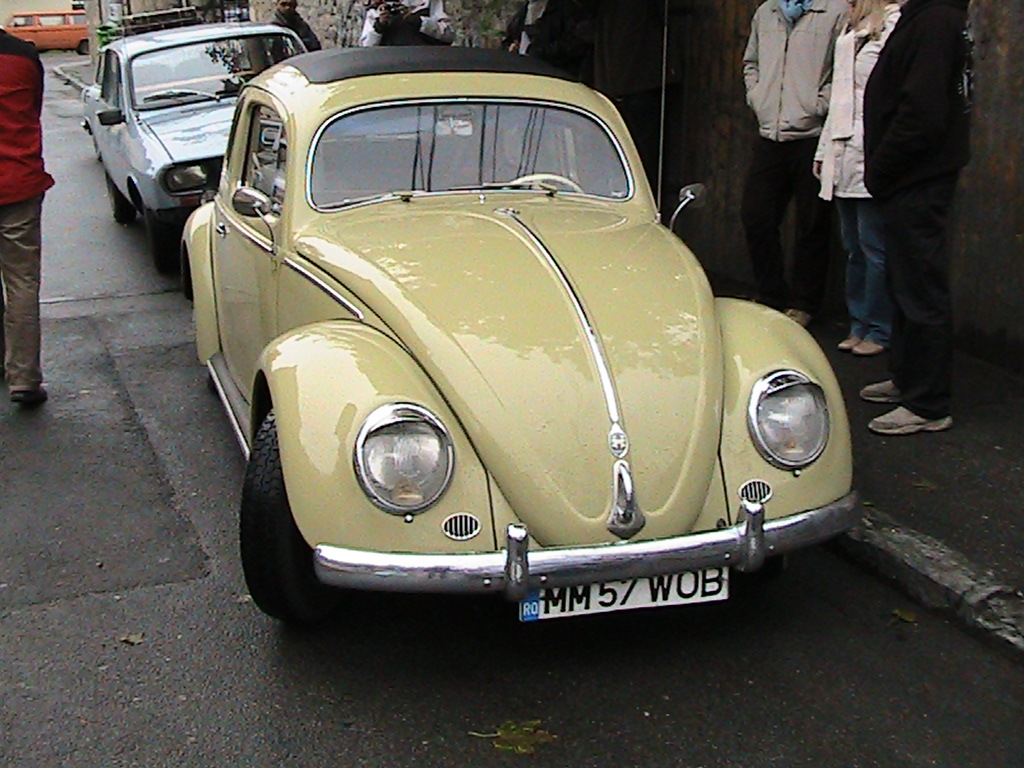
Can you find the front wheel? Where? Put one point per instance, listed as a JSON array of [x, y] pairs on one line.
[[276, 560], [186, 277], [122, 208], [163, 240]]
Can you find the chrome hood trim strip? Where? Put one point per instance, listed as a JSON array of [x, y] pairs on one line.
[[604, 372]]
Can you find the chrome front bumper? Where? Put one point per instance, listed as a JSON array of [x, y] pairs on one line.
[[515, 570]]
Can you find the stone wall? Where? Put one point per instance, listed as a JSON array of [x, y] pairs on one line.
[[338, 22]]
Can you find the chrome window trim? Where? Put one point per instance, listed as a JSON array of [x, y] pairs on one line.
[[394, 413], [630, 179], [260, 242], [768, 384], [323, 286]]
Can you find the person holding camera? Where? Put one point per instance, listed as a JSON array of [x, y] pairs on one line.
[[406, 22]]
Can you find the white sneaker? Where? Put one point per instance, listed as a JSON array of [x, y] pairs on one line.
[[881, 392], [901, 421]]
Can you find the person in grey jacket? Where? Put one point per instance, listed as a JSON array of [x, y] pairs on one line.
[[787, 70]]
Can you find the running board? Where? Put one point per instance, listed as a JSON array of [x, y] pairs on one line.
[[234, 404]]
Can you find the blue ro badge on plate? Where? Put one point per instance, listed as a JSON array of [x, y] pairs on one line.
[[649, 592]]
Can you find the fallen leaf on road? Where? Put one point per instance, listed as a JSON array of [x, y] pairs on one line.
[[521, 738], [907, 617], [134, 638], [925, 485]]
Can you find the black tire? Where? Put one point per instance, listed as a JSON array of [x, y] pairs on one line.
[[122, 208], [164, 243], [186, 278], [276, 560], [83, 47]]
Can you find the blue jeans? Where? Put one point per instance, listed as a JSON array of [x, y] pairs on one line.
[[867, 293]]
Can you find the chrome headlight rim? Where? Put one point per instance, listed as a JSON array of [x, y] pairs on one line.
[[771, 384], [389, 415]]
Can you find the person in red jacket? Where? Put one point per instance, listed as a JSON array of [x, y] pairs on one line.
[[23, 182]]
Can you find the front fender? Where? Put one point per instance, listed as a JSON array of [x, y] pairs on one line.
[[324, 380], [757, 341], [197, 238]]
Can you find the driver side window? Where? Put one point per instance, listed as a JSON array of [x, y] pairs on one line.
[[267, 155]]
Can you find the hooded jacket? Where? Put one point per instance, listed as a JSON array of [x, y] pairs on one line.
[[22, 173], [917, 101], [788, 70]]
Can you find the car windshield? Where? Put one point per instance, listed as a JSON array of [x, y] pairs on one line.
[[438, 147], [207, 70]]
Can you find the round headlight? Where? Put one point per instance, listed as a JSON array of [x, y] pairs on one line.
[[404, 458], [788, 419], [185, 177]]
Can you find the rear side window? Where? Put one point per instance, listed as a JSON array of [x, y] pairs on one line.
[[51, 21]]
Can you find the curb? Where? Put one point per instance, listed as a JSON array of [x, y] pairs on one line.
[[938, 577], [69, 78]]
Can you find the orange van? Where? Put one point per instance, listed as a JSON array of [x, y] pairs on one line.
[[51, 29]]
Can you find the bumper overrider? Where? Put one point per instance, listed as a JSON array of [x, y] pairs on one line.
[[516, 570]]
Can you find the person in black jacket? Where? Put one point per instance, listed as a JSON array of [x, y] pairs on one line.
[[287, 15], [916, 141]]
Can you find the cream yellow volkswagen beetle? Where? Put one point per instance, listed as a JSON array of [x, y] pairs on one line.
[[461, 354]]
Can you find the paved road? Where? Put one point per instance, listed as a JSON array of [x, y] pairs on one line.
[[127, 638]]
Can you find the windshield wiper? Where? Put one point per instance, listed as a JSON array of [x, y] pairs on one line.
[[177, 93], [541, 186]]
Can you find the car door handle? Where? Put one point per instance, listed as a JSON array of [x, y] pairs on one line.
[[221, 228]]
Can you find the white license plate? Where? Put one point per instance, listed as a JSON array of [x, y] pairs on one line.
[[647, 592]]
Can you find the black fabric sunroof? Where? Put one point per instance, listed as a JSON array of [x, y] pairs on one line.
[[341, 63]]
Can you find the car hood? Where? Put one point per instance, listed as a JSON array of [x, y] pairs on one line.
[[193, 132], [543, 327]]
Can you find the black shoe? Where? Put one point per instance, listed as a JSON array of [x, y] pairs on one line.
[[29, 397]]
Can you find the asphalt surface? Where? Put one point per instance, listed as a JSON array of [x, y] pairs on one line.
[[940, 509], [127, 638]]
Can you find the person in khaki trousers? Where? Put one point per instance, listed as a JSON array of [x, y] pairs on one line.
[[23, 182]]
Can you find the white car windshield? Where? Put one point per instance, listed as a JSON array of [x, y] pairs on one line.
[[437, 147], [208, 70]]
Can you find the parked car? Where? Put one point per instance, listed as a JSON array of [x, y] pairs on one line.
[[159, 113], [51, 30], [461, 354]]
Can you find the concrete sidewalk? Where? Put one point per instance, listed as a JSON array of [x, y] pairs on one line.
[[940, 508]]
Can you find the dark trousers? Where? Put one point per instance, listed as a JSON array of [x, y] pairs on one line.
[[782, 171], [917, 262]]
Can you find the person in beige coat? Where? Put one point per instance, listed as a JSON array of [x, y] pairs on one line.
[[787, 71], [839, 164]]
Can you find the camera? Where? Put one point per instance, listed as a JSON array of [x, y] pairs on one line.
[[394, 7]]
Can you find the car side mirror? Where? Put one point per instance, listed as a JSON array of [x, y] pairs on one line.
[[692, 194], [110, 116], [250, 202]]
